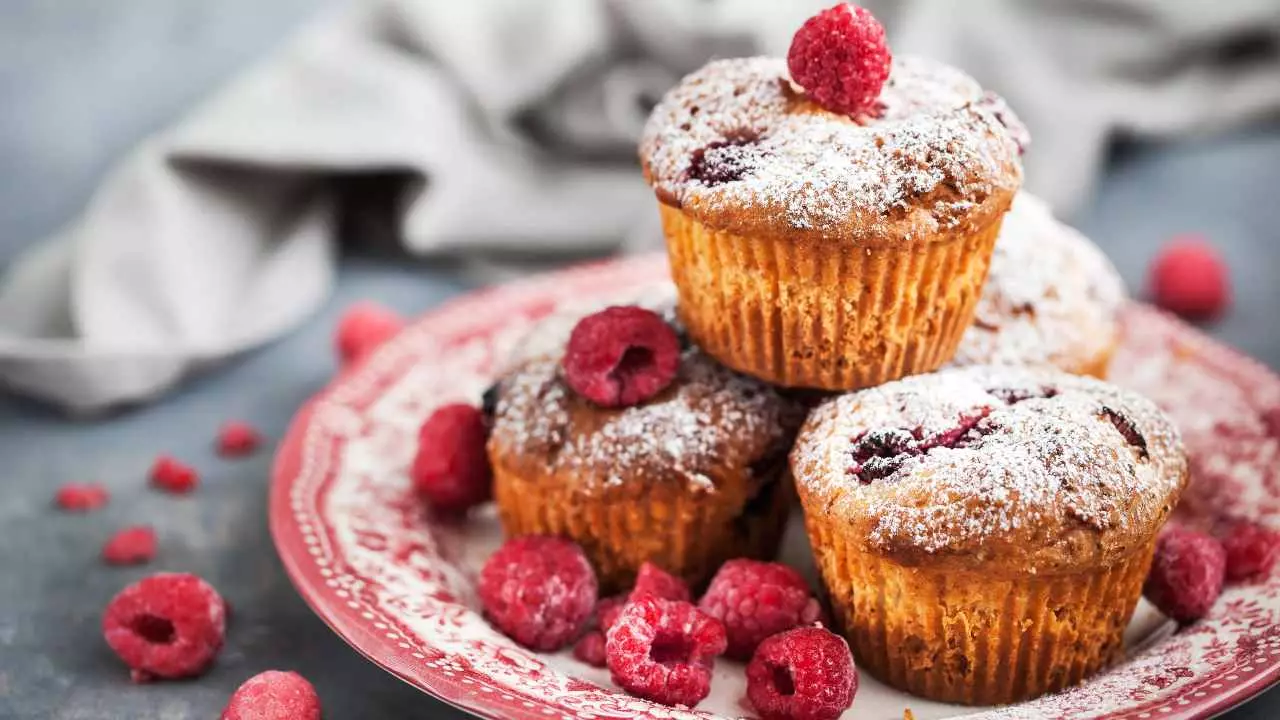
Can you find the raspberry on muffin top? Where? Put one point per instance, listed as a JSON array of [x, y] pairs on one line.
[[1032, 471], [743, 149]]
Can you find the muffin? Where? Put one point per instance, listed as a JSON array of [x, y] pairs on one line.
[[984, 532], [1051, 298], [820, 250], [687, 479]]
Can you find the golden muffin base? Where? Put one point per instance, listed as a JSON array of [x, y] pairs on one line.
[[684, 533], [976, 638], [803, 313]]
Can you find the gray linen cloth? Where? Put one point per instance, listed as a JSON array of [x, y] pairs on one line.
[[515, 122]]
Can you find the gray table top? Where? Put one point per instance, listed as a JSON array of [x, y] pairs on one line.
[[53, 663]]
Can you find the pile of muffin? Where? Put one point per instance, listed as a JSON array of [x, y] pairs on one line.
[[872, 318]]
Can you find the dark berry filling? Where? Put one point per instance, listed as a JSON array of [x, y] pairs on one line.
[[877, 454], [1013, 396], [1128, 430], [723, 161]]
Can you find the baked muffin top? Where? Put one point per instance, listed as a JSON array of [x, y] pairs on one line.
[[711, 431], [738, 146], [1003, 469], [1051, 297]]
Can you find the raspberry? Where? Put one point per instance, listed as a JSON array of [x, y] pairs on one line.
[[802, 674], [274, 695], [76, 497], [237, 439], [173, 476], [590, 649], [654, 581], [539, 591], [1186, 575], [131, 546], [451, 470], [664, 650], [1190, 278], [840, 58], [168, 625], [755, 600], [1251, 550], [607, 610], [621, 356], [363, 327]]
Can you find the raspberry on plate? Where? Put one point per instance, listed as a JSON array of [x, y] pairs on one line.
[[755, 600], [802, 674], [173, 476], [131, 546], [1189, 277], [77, 497], [664, 650], [607, 609], [621, 356], [590, 649], [653, 581], [274, 695], [840, 58], [539, 591], [451, 469], [1251, 550], [1187, 574], [168, 625], [363, 327], [237, 439]]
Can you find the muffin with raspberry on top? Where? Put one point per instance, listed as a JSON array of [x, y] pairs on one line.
[[640, 448]]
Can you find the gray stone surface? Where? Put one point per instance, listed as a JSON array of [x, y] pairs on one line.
[[80, 81]]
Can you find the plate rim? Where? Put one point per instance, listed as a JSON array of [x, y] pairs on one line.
[[289, 543]]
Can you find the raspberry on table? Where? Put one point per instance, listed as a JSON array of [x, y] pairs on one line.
[[362, 328], [168, 625], [451, 469], [1251, 550], [621, 356], [607, 610], [841, 59], [539, 591], [755, 600], [802, 674], [653, 580], [237, 439], [1189, 277], [81, 497], [1187, 574], [664, 650], [170, 475], [131, 546], [590, 649], [274, 695]]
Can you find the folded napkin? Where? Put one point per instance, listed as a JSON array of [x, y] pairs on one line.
[[512, 125]]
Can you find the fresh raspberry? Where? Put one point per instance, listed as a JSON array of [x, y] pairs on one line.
[[664, 650], [1187, 574], [539, 591], [237, 439], [840, 58], [168, 625], [621, 356], [131, 546], [590, 649], [274, 695], [755, 600], [173, 476], [802, 674], [1251, 550], [1190, 278], [363, 327], [608, 609], [77, 497], [656, 582], [451, 470]]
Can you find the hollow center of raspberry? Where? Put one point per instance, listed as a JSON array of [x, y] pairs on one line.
[[671, 649], [153, 628], [782, 681]]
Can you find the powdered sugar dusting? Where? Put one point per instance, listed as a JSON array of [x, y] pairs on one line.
[[711, 419], [1043, 456], [936, 142], [1051, 297]]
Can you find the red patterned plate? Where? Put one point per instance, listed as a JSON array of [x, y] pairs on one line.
[[399, 588]]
